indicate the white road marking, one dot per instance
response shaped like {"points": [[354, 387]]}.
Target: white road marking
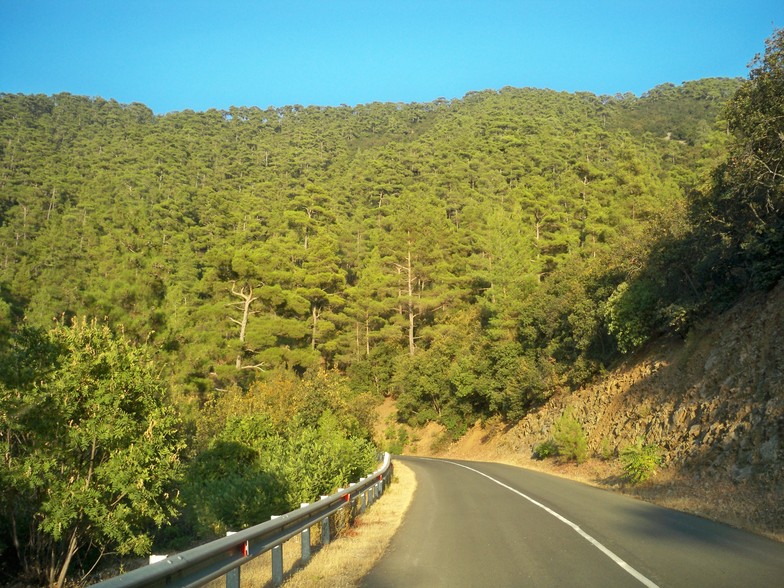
{"points": [[629, 569]]}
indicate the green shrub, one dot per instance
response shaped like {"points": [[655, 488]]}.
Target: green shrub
{"points": [[631, 313], [397, 439], [546, 449], [252, 469], [569, 437], [639, 461], [441, 442], [226, 488], [91, 450], [606, 450]]}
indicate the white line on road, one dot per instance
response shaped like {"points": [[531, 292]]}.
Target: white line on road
{"points": [[629, 569]]}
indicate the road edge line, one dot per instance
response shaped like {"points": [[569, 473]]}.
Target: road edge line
{"points": [[615, 558]]}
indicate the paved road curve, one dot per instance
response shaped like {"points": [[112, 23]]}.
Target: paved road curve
{"points": [[482, 524]]}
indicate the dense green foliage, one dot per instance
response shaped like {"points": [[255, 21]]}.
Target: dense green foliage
{"points": [[730, 238], [266, 450], [95, 457], [287, 267], [459, 253], [739, 215], [91, 452]]}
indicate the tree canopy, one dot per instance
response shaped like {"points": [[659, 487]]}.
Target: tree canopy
{"points": [[91, 450], [242, 241]]}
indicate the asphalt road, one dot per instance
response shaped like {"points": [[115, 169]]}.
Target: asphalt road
{"points": [[483, 524]]}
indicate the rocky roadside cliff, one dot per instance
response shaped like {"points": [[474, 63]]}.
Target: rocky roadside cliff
{"points": [[714, 403]]}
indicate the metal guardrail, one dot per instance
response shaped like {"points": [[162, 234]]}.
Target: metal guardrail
{"points": [[223, 557]]}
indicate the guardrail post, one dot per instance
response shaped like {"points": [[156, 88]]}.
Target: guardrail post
{"points": [[325, 531], [304, 540], [341, 521], [233, 576], [362, 498], [277, 562], [356, 506], [325, 528]]}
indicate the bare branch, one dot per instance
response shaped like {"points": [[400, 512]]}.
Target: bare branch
{"points": [[258, 367], [773, 172]]}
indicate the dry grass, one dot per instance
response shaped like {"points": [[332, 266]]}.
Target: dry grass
{"points": [[344, 562]]}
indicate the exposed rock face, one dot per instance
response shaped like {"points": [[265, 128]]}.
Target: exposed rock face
{"points": [[714, 403]]}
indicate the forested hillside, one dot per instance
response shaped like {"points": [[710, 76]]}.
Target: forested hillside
{"points": [[273, 273], [480, 237]]}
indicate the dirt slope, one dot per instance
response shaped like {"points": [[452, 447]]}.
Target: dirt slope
{"points": [[714, 403]]}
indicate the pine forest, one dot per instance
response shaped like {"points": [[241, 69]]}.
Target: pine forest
{"points": [[218, 300]]}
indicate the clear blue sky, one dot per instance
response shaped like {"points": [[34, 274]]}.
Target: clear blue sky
{"points": [[200, 54]]}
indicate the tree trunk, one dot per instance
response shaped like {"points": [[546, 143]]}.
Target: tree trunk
{"points": [[315, 315], [51, 203], [411, 346], [409, 292], [247, 300], [71, 550], [411, 314]]}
